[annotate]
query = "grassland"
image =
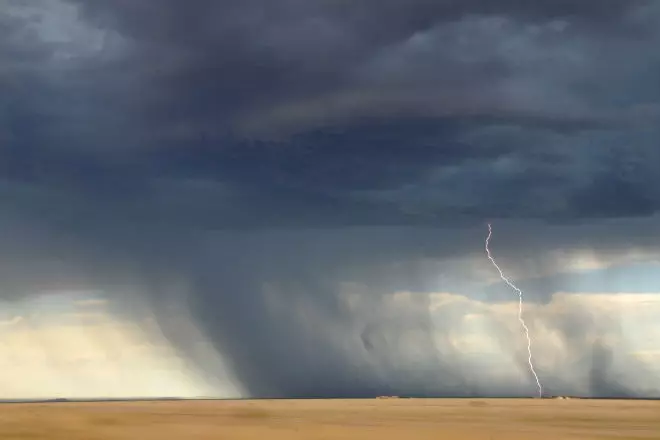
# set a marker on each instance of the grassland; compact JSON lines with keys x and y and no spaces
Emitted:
{"x":382,"y":419}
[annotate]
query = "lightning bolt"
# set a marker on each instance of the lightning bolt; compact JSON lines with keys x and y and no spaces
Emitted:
{"x":520,"y":310}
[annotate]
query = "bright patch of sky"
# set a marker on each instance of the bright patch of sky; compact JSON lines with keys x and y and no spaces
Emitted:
{"x":67,"y":344}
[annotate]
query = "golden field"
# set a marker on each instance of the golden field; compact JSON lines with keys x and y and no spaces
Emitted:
{"x":460,"y":419}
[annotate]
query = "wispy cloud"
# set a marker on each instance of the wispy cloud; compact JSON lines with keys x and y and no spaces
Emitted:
{"x":91,"y":302}
{"x":11,"y":322}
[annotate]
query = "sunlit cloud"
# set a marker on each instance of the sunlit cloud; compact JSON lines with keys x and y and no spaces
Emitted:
{"x":92,"y":353}
{"x":91,"y":302}
{"x":11,"y":322}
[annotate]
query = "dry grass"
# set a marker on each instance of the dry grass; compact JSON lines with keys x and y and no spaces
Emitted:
{"x":335,"y":419}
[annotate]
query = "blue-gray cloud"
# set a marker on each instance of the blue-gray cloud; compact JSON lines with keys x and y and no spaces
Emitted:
{"x":147,"y":140}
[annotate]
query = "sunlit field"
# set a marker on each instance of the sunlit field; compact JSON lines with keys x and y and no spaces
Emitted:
{"x":336,"y":419}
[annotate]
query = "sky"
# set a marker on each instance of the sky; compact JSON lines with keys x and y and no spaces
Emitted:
{"x":290,"y":199}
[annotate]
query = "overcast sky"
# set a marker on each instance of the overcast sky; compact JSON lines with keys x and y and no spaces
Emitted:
{"x":290,"y":198}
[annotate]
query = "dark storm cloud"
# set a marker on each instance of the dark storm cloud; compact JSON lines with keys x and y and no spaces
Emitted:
{"x":368,"y":105}
{"x":205,"y":62}
{"x":128,"y":160}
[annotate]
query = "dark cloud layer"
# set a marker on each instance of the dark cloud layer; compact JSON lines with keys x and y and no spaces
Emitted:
{"x":138,"y":138}
{"x":369,"y":105}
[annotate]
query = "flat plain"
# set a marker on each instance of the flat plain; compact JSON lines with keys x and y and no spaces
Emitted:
{"x":382,"y":419}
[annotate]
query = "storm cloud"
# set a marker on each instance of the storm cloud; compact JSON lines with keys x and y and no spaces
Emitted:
{"x":304,"y":179}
